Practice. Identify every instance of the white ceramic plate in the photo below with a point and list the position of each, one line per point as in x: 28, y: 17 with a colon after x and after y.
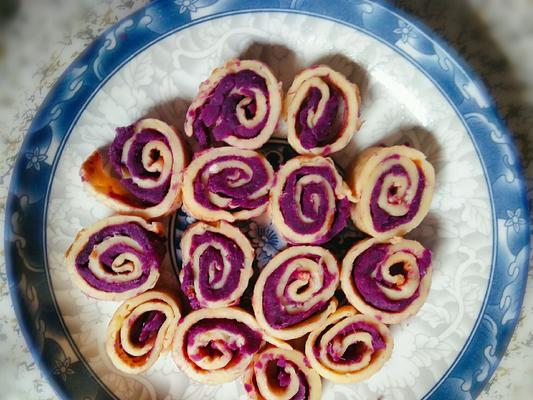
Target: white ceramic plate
x: 404, y: 101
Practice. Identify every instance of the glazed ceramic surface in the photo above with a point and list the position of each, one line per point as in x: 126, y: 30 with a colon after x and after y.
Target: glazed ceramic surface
x: 414, y: 92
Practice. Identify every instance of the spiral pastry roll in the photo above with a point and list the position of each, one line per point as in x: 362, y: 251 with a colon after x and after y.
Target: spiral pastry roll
x: 147, y: 160
x: 227, y: 184
x: 142, y: 329
x: 309, y: 202
x: 393, y: 187
x: 294, y: 292
x: 349, y: 347
x: 239, y: 104
x: 117, y: 257
x: 387, y: 279
x: 321, y: 110
x: 281, y: 374
x: 217, y: 264
x: 216, y: 345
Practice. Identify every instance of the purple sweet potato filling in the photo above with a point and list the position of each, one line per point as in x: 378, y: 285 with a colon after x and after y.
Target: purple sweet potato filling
x: 134, y: 165
x: 326, y: 129
x: 145, y: 327
x: 275, y: 313
x: 210, y: 257
x: 152, y: 252
x: 366, y: 285
x: 381, y: 219
x: 253, y: 339
x: 219, y: 183
x: 312, y: 191
x: 354, y: 352
x: 276, y: 375
x: 216, y: 119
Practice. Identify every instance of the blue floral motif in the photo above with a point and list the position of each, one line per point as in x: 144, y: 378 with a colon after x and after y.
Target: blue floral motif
x: 405, y: 31
x: 187, y: 5
x: 62, y: 368
x: 35, y: 158
x: 515, y: 220
x: 183, y: 220
x: 265, y: 241
x: 179, y: 223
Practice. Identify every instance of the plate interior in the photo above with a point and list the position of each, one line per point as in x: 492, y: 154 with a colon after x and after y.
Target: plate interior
x: 400, y: 105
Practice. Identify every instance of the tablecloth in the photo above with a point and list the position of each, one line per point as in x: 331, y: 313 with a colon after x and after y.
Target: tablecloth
x: 43, y: 37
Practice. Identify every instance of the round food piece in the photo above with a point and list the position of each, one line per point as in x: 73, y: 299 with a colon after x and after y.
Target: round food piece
x: 239, y: 104
x: 117, y: 257
x: 387, y: 279
x: 216, y: 345
x: 294, y: 292
x: 227, y: 184
x: 216, y: 264
x: 141, y: 330
x: 309, y: 203
x: 279, y: 374
x: 143, y: 173
x: 322, y: 111
x: 349, y: 347
x: 393, y: 188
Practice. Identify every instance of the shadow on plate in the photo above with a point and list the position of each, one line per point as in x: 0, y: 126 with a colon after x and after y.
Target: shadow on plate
x: 171, y: 111
x: 461, y: 26
x: 351, y: 70
x: 282, y: 60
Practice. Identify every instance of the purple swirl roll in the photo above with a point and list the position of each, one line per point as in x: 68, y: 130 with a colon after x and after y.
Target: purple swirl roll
x: 141, y: 330
x: 239, y: 104
x: 310, y: 201
x: 147, y: 161
x: 349, y: 347
x: 387, y: 279
x: 227, y: 184
x: 117, y: 257
x: 322, y: 111
x: 279, y: 373
x: 217, y: 264
x: 216, y: 345
x: 294, y: 292
x: 393, y: 188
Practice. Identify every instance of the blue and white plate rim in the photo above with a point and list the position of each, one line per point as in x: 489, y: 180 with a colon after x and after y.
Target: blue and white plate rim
x: 61, y: 109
